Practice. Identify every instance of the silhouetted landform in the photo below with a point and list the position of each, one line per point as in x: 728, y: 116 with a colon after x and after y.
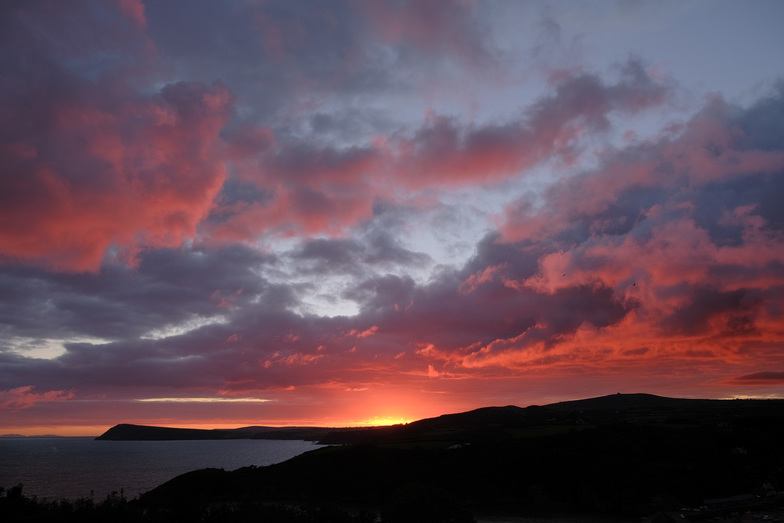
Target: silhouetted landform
x: 15, y: 507
x: 485, y: 421
x: 128, y: 432
x: 615, y: 456
x: 622, y: 454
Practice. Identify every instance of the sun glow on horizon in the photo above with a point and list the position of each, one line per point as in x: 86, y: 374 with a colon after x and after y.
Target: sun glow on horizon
x: 384, y: 421
x: 61, y: 431
x: 770, y: 396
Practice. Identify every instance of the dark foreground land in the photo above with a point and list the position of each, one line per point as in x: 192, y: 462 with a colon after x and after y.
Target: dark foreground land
x: 621, y: 456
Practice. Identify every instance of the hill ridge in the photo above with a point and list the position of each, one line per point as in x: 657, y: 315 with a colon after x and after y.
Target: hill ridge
x: 479, y: 418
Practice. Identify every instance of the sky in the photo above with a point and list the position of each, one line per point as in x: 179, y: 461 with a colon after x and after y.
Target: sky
x: 359, y: 212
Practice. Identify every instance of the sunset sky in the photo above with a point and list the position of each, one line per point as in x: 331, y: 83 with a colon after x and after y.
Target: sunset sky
x: 347, y: 212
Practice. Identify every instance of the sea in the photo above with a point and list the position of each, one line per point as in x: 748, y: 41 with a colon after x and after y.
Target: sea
x: 72, y: 468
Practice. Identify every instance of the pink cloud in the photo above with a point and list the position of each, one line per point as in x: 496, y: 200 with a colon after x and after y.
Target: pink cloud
x: 314, y: 190
x: 707, y: 149
x: 475, y: 280
x: 157, y: 164
x: 365, y: 333
x: 435, y: 26
x: 134, y: 11
x: 26, y: 397
x: 443, y: 151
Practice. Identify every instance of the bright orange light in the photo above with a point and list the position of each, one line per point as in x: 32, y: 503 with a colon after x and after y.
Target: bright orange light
x: 380, y: 405
x: 383, y: 421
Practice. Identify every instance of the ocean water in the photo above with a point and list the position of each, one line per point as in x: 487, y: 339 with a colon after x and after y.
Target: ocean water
x: 71, y: 468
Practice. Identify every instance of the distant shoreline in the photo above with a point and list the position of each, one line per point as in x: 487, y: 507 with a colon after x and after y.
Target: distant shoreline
x: 40, y: 436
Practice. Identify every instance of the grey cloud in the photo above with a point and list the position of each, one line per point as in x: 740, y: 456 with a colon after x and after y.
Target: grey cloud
x: 375, y: 250
x: 236, y: 191
x: 440, y: 313
x: 302, y: 162
x: 384, y: 249
x: 763, y: 122
x: 263, y: 51
x: 331, y: 256
x: 350, y: 125
x: 169, y: 286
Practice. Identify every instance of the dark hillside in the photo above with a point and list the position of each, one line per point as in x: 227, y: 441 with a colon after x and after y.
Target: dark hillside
x: 629, y: 456
x: 146, y: 433
x: 127, y: 432
x: 621, y: 401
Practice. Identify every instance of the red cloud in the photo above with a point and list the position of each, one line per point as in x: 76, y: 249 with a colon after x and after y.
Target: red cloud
x: 100, y: 174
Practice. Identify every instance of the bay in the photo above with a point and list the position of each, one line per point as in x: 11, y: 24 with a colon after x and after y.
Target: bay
x: 55, y: 468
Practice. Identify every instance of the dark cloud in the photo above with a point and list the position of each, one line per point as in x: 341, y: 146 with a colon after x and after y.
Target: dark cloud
x: 763, y: 123
x: 169, y: 287
x: 705, y: 304
x: 764, y: 376
x: 376, y: 249
x: 339, y: 256
x: 283, y: 55
x: 350, y: 125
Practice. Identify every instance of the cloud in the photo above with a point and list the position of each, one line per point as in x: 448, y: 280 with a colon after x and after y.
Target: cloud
x: 537, y: 301
x: 85, y: 159
x: 25, y: 397
x: 438, y: 28
x: 365, y: 333
x: 638, y: 274
x: 126, y: 175
x: 676, y: 225
x: 134, y: 11
x: 759, y: 378
x: 304, y: 200
x: 168, y: 287
x: 307, y: 189
x: 354, y: 256
x: 202, y: 400
x: 443, y: 151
